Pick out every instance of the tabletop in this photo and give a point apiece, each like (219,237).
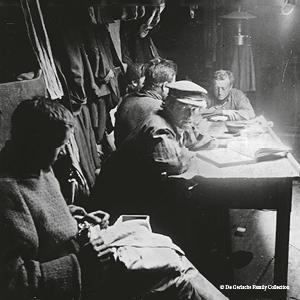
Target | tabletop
(286,167)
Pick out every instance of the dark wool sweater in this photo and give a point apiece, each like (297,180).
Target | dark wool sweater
(36,229)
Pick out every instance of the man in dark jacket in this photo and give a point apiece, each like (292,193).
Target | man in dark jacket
(136,107)
(44,256)
(161,142)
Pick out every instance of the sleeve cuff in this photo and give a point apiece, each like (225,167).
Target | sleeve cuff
(61,278)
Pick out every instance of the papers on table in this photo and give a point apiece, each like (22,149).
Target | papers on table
(246,149)
(259,147)
(225,157)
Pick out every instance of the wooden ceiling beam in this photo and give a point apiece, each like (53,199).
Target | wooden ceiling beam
(94,2)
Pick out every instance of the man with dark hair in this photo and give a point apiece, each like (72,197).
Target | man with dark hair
(228,101)
(44,256)
(158,72)
(38,133)
(136,107)
(35,221)
(135,77)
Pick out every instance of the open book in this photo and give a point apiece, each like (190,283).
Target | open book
(269,153)
(244,152)
(262,147)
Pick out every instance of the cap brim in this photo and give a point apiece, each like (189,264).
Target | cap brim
(197,103)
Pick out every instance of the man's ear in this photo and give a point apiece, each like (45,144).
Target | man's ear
(165,88)
(164,85)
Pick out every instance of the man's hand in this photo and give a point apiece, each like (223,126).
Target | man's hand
(104,253)
(94,259)
(207,142)
(189,137)
(98,217)
(232,115)
(77,212)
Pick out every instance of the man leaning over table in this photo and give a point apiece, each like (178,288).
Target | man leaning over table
(164,143)
(131,181)
(227,101)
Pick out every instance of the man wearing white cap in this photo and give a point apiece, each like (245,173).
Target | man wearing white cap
(183,109)
(131,178)
(169,136)
(163,143)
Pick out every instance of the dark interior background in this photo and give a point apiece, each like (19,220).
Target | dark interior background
(275,45)
(201,45)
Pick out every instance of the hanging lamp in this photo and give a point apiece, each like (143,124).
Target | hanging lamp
(240,16)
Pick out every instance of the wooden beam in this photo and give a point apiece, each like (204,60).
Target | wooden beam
(126,2)
(5,3)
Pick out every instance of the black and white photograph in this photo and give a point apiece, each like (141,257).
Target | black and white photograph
(149,149)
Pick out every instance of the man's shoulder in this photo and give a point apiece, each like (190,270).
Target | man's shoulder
(157,121)
(156,117)
(7,180)
(9,187)
(236,93)
(137,100)
(139,97)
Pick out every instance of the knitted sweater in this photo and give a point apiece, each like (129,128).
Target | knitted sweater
(37,254)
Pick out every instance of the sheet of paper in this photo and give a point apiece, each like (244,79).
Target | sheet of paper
(225,157)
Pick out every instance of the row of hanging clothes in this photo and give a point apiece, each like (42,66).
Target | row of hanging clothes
(83,53)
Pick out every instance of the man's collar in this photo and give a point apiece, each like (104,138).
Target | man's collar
(222,102)
(227,99)
(150,93)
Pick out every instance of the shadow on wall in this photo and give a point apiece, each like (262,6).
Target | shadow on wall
(13,93)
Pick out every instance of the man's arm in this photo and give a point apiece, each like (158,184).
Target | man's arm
(243,106)
(22,275)
(196,135)
(168,155)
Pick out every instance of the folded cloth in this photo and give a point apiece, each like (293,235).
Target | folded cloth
(133,233)
(152,267)
(137,248)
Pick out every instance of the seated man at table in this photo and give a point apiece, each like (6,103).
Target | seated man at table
(135,107)
(228,101)
(162,144)
(44,256)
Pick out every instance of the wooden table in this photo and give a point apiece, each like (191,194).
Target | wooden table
(263,185)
